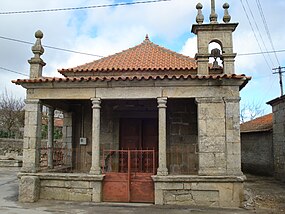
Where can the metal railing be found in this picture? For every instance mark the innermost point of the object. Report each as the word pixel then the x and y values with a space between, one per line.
pixel 60 157
pixel 139 161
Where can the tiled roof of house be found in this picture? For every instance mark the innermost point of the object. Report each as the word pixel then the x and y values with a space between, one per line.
pixel 259 124
pixel 130 78
pixel 145 56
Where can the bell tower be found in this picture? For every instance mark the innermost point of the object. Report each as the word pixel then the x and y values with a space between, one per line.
pixel 214 32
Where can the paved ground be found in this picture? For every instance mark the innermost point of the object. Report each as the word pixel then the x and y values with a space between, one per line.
pixel 263 196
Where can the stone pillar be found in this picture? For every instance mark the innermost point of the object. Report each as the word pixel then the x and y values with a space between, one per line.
pixel 278 110
pixel 29 189
pixel 67 136
pixel 162 167
pixel 50 137
pixel 202 63
pixel 95 166
pixel 229 63
pixel 211 136
pixel 233 148
pixel 32 136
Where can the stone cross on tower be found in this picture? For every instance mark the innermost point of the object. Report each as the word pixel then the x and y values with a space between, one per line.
pixel 213 15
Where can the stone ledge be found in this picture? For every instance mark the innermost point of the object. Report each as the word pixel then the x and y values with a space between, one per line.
pixel 196 178
pixel 64 176
pixel 10 163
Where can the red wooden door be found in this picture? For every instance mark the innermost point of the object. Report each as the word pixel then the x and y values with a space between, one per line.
pixel 132 182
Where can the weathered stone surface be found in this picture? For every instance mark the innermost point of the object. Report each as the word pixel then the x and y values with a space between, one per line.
pixel 216 191
pixel 71 194
pixel 29 189
pixel 96 191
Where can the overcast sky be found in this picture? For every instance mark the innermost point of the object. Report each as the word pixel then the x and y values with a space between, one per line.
pixel 104 31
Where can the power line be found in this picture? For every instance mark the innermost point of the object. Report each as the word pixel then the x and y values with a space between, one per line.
pixel 254 33
pixel 262 52
pixel 100 56
pixel 258 30
pixel 12 71
pixel 51 47
pixel 80 8
pixel 266 28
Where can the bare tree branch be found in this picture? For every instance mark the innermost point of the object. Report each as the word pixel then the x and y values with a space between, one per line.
pixel 250 111
pixel 11 114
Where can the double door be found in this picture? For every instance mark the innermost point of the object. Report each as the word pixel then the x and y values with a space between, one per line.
pixel 137 162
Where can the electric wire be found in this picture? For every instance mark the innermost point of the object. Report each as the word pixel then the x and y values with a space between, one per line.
pixel 100 56
pixel 51 47
pixel 259 33
pixel 80 8
pixel 266 28
pixel 262 52
pixel 245 11
pixel 12 71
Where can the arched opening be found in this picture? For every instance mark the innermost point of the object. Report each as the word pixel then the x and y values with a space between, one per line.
pixel 215 50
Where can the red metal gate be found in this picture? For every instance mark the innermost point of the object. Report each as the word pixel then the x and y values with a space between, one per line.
pixel 128 175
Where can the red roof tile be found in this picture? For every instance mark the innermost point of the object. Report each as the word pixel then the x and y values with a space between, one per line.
pixel 259 124
pixel 130 78
pixel 145 56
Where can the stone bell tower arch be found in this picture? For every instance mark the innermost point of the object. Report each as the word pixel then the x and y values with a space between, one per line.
pixel 220 33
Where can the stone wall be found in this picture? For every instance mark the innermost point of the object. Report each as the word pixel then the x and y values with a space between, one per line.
pixel 60 186
pixel 257 153
pixel 13 146
pixel 11 152
pixel 214 191
pixel 182 141
pixel 278 109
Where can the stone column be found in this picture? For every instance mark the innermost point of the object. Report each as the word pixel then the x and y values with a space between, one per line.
pixel 233 148
pixel 211 136
pixel 32 136
pixel 67 136
pixel 162 167
pixel 95 166
pixel 50 137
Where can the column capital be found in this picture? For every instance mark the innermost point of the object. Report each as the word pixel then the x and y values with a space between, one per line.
pixel 162 102
pixel 32 101
pixel 96 102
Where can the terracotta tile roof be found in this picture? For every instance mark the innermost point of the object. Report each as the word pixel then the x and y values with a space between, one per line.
pixel 259 124
pixel 130 78
pixel 146 56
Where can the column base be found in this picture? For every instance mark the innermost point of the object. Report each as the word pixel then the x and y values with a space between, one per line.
pixel 29 169
pixel 95 171
pixel 162 171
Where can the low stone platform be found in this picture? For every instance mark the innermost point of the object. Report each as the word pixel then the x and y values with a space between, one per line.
pixel 10 163
pixel 60 186
pixel 210 191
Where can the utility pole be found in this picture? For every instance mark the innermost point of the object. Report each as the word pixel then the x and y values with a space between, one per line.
pixel 279 71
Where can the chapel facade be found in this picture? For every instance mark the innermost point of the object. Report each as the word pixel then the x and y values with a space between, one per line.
pixel 143 125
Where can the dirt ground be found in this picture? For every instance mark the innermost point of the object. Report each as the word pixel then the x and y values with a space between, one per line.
pixel 264 194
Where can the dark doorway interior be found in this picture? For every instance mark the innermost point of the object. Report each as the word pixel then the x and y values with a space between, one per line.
pixel 138 133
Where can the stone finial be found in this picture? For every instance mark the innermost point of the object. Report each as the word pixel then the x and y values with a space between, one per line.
pixel 213 15
pixel 199 17
pixel 227 17
pixel 38 49
pixel 36 62
pixel 146 37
